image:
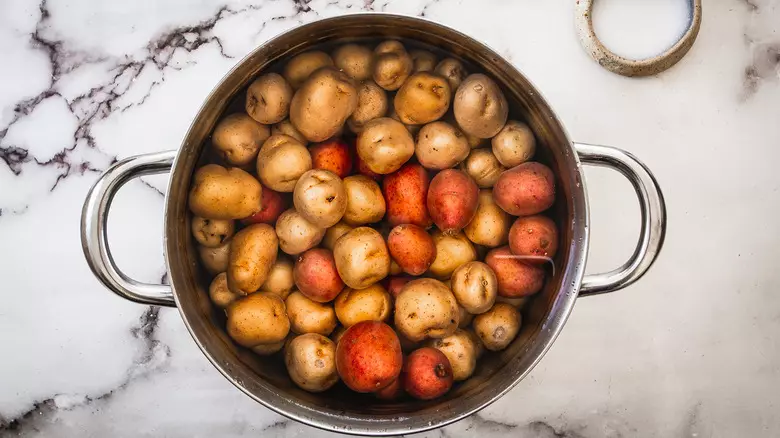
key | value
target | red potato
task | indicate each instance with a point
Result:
(526, 189)
(515, 278)
(368, 356)
(333, 155)
(452, 200)
(534, 236)
(316, 276)
(412, 248)
(427, 374)
(273, 204)
(395, 284)
(392, 391)
(406, 194)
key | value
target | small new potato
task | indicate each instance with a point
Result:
(422, 60)
(252, 254)
(296, 234)
(452, 251)
(372, 104)
(355, 60)
(334, 155)
(285, 127)
(393, 391)
(427, 374)
(219, 292)
(323, 103)
(335, 232)
(280, 278)
(370, 304)
(480, 106)
(514, 302)
(441, 146)
(272, 206)
(396, 283)
(515, 278)
(483, 167)
(307, 316)
(423, 98)
(426, 308)
(257, 319)
(211, 233)
(215, 260)
(406, 194)
(362, 258)
(392, 65)
(268, 99)
(337, 334)
(281, 161)
(412, 248)
(385, 145)
(452, 200)
(369, 356)
(365, 203)
(452, 70)
(300, 67)
(498, 327)
(534, 236)
(316, 276)
(465, 317)
(490, 226)
(237, 139)
(526, 189)
(475, 287)
(219, 193)
(320, 197)
(514, 144)
(268, 349)
(311, 362)
(461, 350)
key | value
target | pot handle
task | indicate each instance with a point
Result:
(653, 217)
(94, 238)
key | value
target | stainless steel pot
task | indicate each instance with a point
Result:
(340, 410)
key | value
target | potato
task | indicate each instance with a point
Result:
(285, 127)
(392, 65)
(362, 169)
(365, 203)
(362, 258)
(515, 302)
(427, 374)
(323, 103)
(219, 292)
(406, 194)
(452, 70)
(272, 206)
(483, 167)
(252, 254)
(316, 276)
(480, 107)
(215, 260)
(257, 319)
(268, 349)
(534, 236)
(268, 99)
(441, 146)
(370, 304)
(515, 278)
(311, 362)
(320, 197)
(338, 333)
(296, 234)
(426, 308)
(385, 145)
(372, 104)
(237, 139)
(525, 190)
(498, 327)
(335, 232)
(368, 356)
(396, 283)
(395, 268)
(301, 67)
(452, 251)
(412, 248)
(422, 60)
(280, 278)
(514, 144)
(307, 316)
(354, 60)
(212, 233)
(413, 129)
(490, 226)
(281, 161)
(423, 98)
(452, 200)
(465, 317)
(475, 287)
(333, 155)
(393, 391)
(219, 193)
(461, 350)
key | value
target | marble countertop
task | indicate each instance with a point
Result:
(690, 350)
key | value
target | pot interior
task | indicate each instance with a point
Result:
(339, 409)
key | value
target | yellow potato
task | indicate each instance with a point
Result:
(452, 70)
(252, 254)
(307, 316)
(461, 350)
(282, 160)
(280, 278)
(285, 127)
(237, 139)
(311, 362)
(480, 106)
(441, 146)
(422, 60)
(354, 60)
(475, 287)
(257, 319)
(498, 327)
(426, 308)
(320, 197)
(361, 257)
(365, 203)
(514, 144)
(268, 99)
(323, 103)
(490, 226)
(219, 193)
(370, 304)
(268, 349)
(372, 104)
(452, 251)
(423, 98)
(385, 145)
(296, 234)
(300, 67)
(483, 167)
(335, 232)
(219, 292)
(215, 260)
(392, 65)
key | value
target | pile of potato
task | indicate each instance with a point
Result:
(354, 199)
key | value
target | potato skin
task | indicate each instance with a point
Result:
(334, 155)
(406, 194)
(237, 139)
(526, 189)
(452, 200)
(422, 60)
(268, 349)
(320, 197)
(285, 127)
(215, 260)
(452, 70)
(355, 60)
(423, 98)
(212, 233)
(361, 257)
(252, 254)
(281, 161)
(372, 104)
(515, 278)
(441, 146)
(365, 203)
(498, 327)
(475, 287)
(395, 283)
(426, 308)
(219, 193)
(461, 350)
(385, 145)
(334, 233)
(368, 356)
(268, 99)
(514, 144)
(412, 248)
(296, 234)
(490, 226)
(370, 304)
(271, 207)
(393, 391)
(480, 106)
(316, 276)
(392, 65)
(427, 374)
(452, 251)
(219, 292)
(300, 67)
(483, 167)
(534, 236)
(323, 103)
(257, 319)
(311, 362)
(280, 278)
(307, 316)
